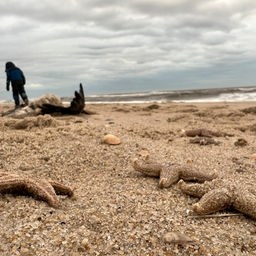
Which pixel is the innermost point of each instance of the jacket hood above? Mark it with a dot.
(9, 65)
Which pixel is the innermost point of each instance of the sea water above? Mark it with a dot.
(230, 94)
(233, 94)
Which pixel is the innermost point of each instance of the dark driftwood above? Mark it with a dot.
(76, 106)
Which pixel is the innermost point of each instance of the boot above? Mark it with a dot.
(26, 102)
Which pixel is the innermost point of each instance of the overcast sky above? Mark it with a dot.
(134, 45)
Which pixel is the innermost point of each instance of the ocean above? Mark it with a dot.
(233, 94)
(230, 94)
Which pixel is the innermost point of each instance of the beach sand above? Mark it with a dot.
(116, 210)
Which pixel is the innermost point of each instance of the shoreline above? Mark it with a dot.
(229, 94)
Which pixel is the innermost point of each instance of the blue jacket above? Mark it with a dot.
(14, 74)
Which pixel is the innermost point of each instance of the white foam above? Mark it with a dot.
(225, 97)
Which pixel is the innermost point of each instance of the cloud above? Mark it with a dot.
(100, 42)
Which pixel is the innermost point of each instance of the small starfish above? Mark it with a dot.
(204, 141)
(202, 132)
(171, 173)
(38, 188)
(220, 194)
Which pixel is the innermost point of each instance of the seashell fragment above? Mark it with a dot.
(177, 238)
(111, 139)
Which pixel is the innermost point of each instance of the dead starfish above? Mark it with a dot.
(221, 194)
(171, 173)
(202, 132)
(204, 141)
(38, 188)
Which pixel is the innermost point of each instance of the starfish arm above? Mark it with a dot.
(13, 184)
(194, 189)
(213, 201)
(150, 169)
(52, 198)
(202, 132)
(245, 202)
(168, 176)
(193, 132)
(190, 174)
(198, 132)
(61, 189)
(6, 174)
(28, 186)
(207, 133)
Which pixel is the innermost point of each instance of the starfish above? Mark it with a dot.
(170, 173)
(204, 141)
(221, 194)
(37, 188)
(202, 132)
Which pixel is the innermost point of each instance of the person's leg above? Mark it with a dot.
(23, 94)
(15, 94)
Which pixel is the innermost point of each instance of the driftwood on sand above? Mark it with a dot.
(76, 106)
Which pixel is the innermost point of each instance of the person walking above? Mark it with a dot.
(15, 76)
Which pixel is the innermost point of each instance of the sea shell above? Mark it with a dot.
(177, 238)
(111, 139)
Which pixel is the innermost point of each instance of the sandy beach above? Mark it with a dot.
(116, 210)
